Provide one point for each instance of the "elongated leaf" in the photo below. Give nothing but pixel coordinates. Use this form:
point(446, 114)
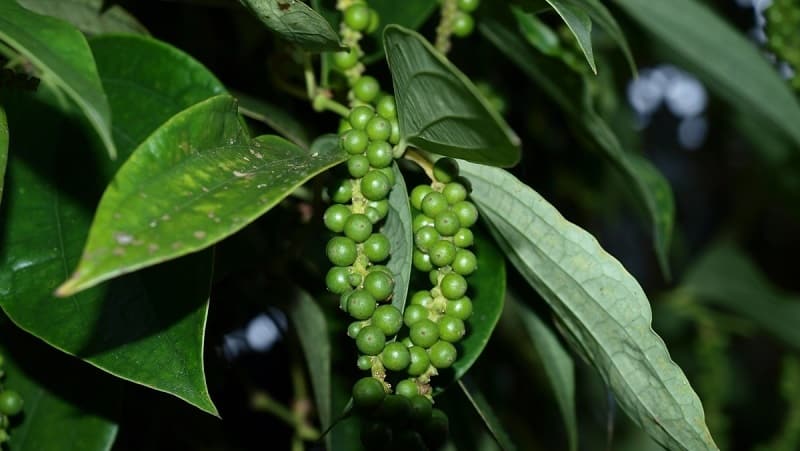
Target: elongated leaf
point(726, 277)
point(485, 412)
point(537, 32)
point(65, 409)
point(601, 16)
point(147, 328)
point(488, 291)
point(439, 108)
point(580, 24)
point(557, 364)
point(398, 229)
point(4, 138)
point(309, 322)
point(295, 22)
point(571, 94)
point(88, 15)
point(276, 118)
point(196, 180)
point(599, 303)
point(61, 53)
point(725, 58)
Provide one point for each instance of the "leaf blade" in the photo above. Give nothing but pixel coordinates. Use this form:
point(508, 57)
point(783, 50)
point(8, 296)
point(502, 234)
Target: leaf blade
point(4, 138)
point(88, 15)
point(580, 24)
point(297, 23)
point(274, 117)
point(487, 415)
point(599, 303)
point(398, 229)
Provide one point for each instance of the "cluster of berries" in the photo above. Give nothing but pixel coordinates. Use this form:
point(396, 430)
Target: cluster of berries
point(11, 404)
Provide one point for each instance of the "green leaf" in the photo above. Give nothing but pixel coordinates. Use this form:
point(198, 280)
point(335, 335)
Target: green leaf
point(309, 322)
point(439, 108)
point(275, 117)
point(3, 149)
point(558, 366)
point(488, 288)
point(601, 16)
point(413, 15)
point(194, 181)
point(572, 94)
point(580, 24)
point(537, 32)
point(724, 276)
point(65, 409)
point(486, 414)
point(147, 328)
point(398, 229)
point(599, 303)
point(296, 22)
point(731, 64)
point(88, 15)
point(61, 53)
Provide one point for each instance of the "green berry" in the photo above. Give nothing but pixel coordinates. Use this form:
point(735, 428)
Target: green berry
point(454, 192)
point(463, 24)
point(421, 260)
point(424, 333)
point(426, 237)
point(368, 393)
point(370, 340)
point(388, 319)
point(436, 429)
point(342, 192)
point(366, 88)
point(414, 313)
point(357, 166)
point(375, 186)
point(447, 223)
point(377, 247)
point(434, 203)
point(354, 278)
point(468, 6)
point(442, 354)
point(460, 308)
point(419, 361)
point(394, 408)
point(374, 21)
point(379, 129)
point(11, 403)
point(376, 435)
point(451, 328)
point(465, 262)
point(423, 298)
point(379, 154)
point(463, 238)
point(360, 116)
point(354, 328)
point(421, 221)
point(380, 208)
point(335, 216)
point(358, 227)
point(407, 439)
point(345, 60)
point(442, 253)
point(466, 212)
point(407, 388)
point(361, 305)
point(364, 362)
point(341, 251)
point(355, 141)
point(379, 284)
point(453, 286)
point(421, 409)
point(394, 138)
point(356, 17)
point(395, 356)
point(386, 107)
point(445, 170)
point(418, 194)
point(337, 280)
point(389, 173)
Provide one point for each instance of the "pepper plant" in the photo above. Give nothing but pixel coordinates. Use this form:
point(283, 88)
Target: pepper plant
point(366, 169)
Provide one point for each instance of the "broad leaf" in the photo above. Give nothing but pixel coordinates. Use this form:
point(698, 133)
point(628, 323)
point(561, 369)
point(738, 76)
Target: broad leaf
point(295, 22)
point(726, 277)
point(558, 366)
point(3, 149)
point(65, 410)
point(572, 96)
point(275, 117)
point(61, 53)
point(580, 24)
point(725, 58)
point(439, 108)
point(599, 303)
point(413, 15)
point(488, 290)
point(309, 322)
point(486, 414)
point(196, 180)
point(147, 328)
point(398, 229)
point(88, 15)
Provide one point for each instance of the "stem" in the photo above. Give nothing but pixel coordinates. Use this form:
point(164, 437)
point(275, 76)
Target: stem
point(263, 402)
point(311, 82)
point(445, 28)
point(324, 103)
point(423, 162)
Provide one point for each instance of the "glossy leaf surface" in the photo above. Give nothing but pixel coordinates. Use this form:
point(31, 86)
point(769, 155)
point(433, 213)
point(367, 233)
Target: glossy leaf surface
point(295, 22)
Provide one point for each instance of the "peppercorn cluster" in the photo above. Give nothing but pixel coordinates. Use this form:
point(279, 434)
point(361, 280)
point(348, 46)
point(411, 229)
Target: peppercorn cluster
point(463, 23)
point(11, 404)
point(783, 35)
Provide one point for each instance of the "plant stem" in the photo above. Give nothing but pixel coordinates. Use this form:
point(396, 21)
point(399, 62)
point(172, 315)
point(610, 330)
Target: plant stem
point(423, 162)
point(308, 71)
point(323, 103)
point(445, 28)
point(263, 402)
